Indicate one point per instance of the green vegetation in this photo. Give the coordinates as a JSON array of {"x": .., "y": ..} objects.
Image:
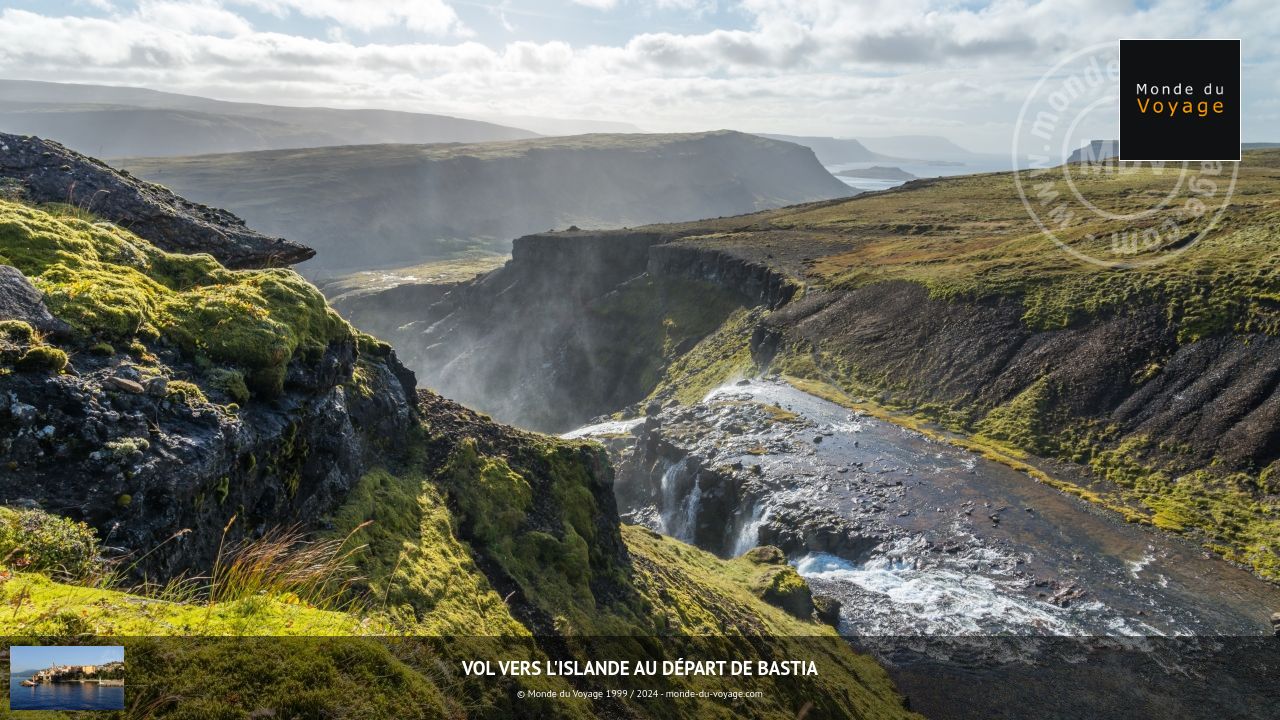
[
  {"x": 39, "y": 542},
  {"x": 17, "y": 332},
  {"x": 42, "y": 358},
  {"x": 112, "y": 286},
  {"x": 719, "y": 357},
  {"x": 649, "y": 324}
]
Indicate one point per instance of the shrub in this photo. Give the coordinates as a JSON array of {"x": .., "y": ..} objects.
[
  {"x": 42, "y": 358},
  {"x": 38, "y": 541}
]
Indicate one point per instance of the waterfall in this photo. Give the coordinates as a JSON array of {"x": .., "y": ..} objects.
[
  {"x": 749, "y": 534},
  {"x": 688, "y": 528},
  {"x": 670, "y": 493}
]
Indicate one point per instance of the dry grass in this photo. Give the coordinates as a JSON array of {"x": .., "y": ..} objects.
[{"x": 284, "y": 563}]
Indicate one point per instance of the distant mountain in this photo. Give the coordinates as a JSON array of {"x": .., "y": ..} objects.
[
  {"x": 832, "y": 151},
  {"x": 380, "y": 206},
  {"x": 1096, "y": 151},
  {"x": 108, "y": 121},
  {"x": 920, "y": 147}
]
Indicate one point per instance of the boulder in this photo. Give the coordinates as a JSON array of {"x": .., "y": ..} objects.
[{"x": 20, "y": 300}]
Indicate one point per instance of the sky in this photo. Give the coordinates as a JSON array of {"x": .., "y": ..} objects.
[
  {"x": 32, "y": 657},
  {"x": 843, "y": 68}
]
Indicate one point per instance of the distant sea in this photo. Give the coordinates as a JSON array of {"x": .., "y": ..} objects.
[
  {"x": 64, "y": 696},
  {"x": 969, "y": 166}
]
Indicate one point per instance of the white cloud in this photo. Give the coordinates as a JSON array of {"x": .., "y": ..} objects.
[
  {"x": 597, "y": 4},
  {"x": 426, "y": 16},
  {"x": 800, "y": 66},
  {"x": 192, "y": 16}
]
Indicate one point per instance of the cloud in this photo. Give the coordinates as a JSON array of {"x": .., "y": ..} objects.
[
  {"x": 597, "y": 4},
  {"x": 801, "y": 66},
  {"x": 192, "y": 16},
  {"x": 426, "y": 16}
]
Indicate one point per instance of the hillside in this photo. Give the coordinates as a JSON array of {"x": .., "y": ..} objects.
[
  {"x": 108, "y": 121},
  {"x": 831, "y": 151},
  {"x": 365, "y": 207},
  {"x": 198, "y": 451},
  {"x": 1150, "y": 391}
]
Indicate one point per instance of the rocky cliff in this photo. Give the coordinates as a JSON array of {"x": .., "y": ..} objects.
[
  {"x": 189, "y": 449},
  {"x": 148, "y": 393},
  {"x": 1151, "y": 391}
]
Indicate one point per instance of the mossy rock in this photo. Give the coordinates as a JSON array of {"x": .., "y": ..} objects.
[
  {"x": 766, "y": 555},
  {"x": 230, "y": 382},
  {"x": 784, "y": 588},
  {"x": 42, "y": 358},
  {"x": 112, "y": 286}
]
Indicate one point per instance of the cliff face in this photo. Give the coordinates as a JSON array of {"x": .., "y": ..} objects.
[
  {"x": 576, "y": 324},
  {"x": 148, "y": 393},
  {"x": 1151, "y": 391},
  {"x": 388, "y": 205}
]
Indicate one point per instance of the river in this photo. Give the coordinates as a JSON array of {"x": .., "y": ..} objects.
[{"x": 925, "y": 542}]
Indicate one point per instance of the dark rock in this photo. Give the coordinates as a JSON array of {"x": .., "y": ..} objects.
[
  {"x": 20, "y": 300},
  {"x": 827, "y": 609},
  {"x": 157, "y": 386},
  {"x": 150, "y": 211}
]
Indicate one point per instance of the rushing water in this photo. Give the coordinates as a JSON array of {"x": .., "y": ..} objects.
[
  {"x": 974, "y": 548},
  {"x": 64, "y": 696}
]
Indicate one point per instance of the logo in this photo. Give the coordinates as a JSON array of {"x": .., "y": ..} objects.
[{"x": 1096, "y": 207}]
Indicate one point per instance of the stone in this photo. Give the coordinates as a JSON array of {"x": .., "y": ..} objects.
[
  {"x": 20, "y": 300},
  {"x": 157, "y": 386},
  {"x": 124, "y": 384},
  {"x": 827, "y": 609}
]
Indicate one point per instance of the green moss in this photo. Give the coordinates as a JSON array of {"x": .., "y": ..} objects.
[
  {"x": 37, "y": 541},
  {"x": 719, "y": 357},
  {"x": 18, "y": 331},
  {"x": 185, "y": 392},
  {"x": 102, "y": 349},
  {"x": 111, "y": 285},
  {"x": 42, "y": 358},
  {"x": 230, "y": 382},
  {"x": 1023, "y": 420},
  {"x": 128, "y": 447},
  {"x": 370, "y": 345},
  {"x": 109, "y": 612},
  {"x": 783, "y": 587}
]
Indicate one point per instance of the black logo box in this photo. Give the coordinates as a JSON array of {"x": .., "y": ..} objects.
[{"x": 1180, "y": 65}]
